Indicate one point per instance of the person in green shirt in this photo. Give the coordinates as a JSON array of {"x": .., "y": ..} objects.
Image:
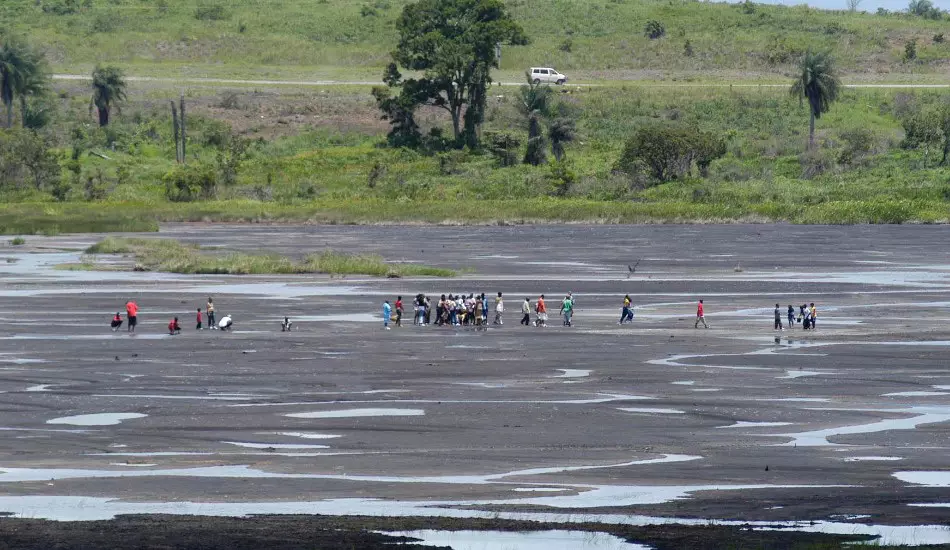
[{"x": 567, "y": 309}]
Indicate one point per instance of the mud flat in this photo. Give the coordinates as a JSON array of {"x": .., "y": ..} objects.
[{"x": 654, "y": 432}]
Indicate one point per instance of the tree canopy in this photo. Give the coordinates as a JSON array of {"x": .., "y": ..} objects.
[{"x": 452, "y": 43}]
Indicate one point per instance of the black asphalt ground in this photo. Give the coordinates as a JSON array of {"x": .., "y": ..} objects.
[{"x": 655, "y": 418}]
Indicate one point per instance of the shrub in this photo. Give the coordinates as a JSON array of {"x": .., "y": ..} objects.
[
  {"x": 562, "y": 178},
  {"x": 504, "y": 147},
  {"x": 64, "y": 7},
  {"x": 229, "y": 100},
  {"x": 27, "y": 158},
  {"x": 858, "y": 142},
  {"x": 938, "y": 38},
  {"x": 667, "y": 152},
  {"x": 190, "y": 183},
  {"x": 654, "y": 29},
  {"x": 567, "y": 46},
  {"x": 368, "y": 11},
  {"x": 18, "y": 241},
  {"x": 748, "y": 7},
  {"x": 211, "y": 12},
  {"x": 815, "y": 163},
  {"x": 688, "y": 49},
  {"x": 910, "y": 50}
]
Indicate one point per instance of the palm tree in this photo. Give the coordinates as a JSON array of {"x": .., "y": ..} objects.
[
  {"x": 33, "y": 85},
  {"x": 818, "y": 83},
  {"x": 561, "y": 131},
  {"x": 535, "y": 98},
  {"x": 21, "y": 73},
  {"x": 108, "y": 88}
]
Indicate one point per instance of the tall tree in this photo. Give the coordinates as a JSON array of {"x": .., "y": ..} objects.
[
  {"x": 817, "y": 82},
  {"x": 452, "y": 44},
  {"x": 21, "y": 73},
  {"x": 108, "y": 89}
]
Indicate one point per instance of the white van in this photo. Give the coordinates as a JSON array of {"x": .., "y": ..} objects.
[{"x": 546, "y": 74}]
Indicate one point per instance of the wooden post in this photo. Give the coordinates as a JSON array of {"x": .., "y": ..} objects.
[
  {"x": 176, "y": 130},
  {"x": 184, "y": 136}
]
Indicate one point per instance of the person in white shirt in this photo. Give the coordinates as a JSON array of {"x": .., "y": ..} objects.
[{"x": 226, "y": 323}]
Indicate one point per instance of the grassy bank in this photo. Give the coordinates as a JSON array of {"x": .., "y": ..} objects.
[
  {"x": 319, "y": 156},
  {"x": 175, "y": 257},
  {"x": 252, "y": 38}
]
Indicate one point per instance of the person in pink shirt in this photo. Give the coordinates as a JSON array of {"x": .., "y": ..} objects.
[{"x": 700, "y": 315}]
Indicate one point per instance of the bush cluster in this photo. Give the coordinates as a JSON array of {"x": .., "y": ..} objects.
[{"x": 666, "y": 153}]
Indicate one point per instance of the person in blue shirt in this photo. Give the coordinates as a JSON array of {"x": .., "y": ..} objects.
[{"x": 387, "y": 314}]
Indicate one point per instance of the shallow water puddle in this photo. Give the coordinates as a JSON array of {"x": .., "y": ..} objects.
[
  {"x": 39, "y": 388},
  {"x": 940, "y": 478},
  {"x": 745, "y": 424},
  {"x": 98, "y": 419},
  {"x": 198, "y": 397},
  {"x": 871, "y": 458},
  {"x": 339, "y": 318},
  {"x": 573, "y": 373},
  {"x": 525, "y": 540},
  {"x": 357, "y": 413},
  {"x": 916, "y": 394},
  {"x": 84, "y": 508},
  {"x": 274, "y": 445},
  {"x": 646, "y": 410},
  {"x": 793, "y": 374},
  {"x": 818, "y": 438},
  {"x": 303, "y": 435}
]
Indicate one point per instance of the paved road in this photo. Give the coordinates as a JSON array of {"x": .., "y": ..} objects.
[{"x": 307, "y": 83}]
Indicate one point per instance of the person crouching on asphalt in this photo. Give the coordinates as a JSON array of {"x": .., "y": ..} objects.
[
  {"x": 116, "y": 322},
  {"x": 526, "y": 312},
  {"x": 226, "y": 323},
  {"x": 173, "y": 327},
  {"x": 286, "y": 325}
]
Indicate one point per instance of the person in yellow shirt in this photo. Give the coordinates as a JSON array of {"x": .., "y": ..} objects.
[
  {"x": 626, "y": 314},
  {"x": 814, "y": 315}
]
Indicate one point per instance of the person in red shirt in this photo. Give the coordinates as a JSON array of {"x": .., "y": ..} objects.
[
  {"x": 174, "y": 327},
  {"x": 542, "y": 311},
  {"x": 398, "y": 311},
  {"x": 199, "y": 320},
  {"x": 132, "y": 311},
  {"x": 700, "y": 316},
  {"x": 116, "y": 322}
]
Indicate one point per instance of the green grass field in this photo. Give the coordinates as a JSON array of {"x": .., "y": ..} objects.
[
  {"x": 175, "y": 257},
  {"x": 317, "y": 154},
  {"x": 346, "y": 39}
]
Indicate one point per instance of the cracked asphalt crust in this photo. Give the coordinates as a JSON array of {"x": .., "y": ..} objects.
[{"x": 493, "y": 401}]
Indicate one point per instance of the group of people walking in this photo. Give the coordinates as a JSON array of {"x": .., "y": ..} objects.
[
  {"x": 471, "y": 310},
  {"x": 807, "y": 316}
]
